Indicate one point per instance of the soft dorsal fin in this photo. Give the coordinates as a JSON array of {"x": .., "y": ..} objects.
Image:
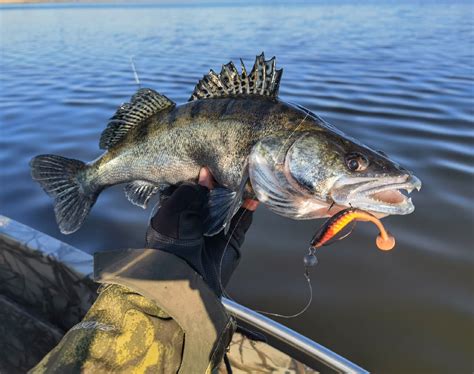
[
  {"x": 145, "y": 103},
  {"x": 263, "y": 80}
]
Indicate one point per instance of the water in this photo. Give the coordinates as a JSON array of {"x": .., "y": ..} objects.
[{"x": 397, "y": 75}]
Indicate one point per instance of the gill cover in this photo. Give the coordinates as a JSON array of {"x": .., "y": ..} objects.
[{"x": 273, "y": 184}]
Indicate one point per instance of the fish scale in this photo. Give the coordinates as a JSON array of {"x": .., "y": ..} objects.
[{"x": 255, "y": 145}]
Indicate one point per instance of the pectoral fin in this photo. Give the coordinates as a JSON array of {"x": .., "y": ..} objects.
[
  {"x": 221, "y": 200},
  {"x": 223, "y": 204}
]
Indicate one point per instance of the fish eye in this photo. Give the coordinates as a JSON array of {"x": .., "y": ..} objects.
[{"x": 356, "y": 162}]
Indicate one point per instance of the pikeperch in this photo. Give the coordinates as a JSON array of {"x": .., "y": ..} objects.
[{"x": 254, "y": 144}]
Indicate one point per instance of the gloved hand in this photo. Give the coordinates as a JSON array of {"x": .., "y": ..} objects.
[{"x": 178, "y": 228}]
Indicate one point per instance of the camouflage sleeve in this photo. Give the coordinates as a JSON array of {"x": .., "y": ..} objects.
[{"x": 123, "y": 332}]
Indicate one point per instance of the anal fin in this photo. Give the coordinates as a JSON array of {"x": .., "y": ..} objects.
[{"x": 139, "y": 192}]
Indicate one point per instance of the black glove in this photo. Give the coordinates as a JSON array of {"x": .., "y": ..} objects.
[{"x": 178, "y": 228}]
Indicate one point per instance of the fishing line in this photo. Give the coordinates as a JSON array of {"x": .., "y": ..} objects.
[
  {"x": 135, "y": 74},
  {"x": 219, "y": 275},
  {"x": 289, "y": 136},
  {"x": 335, "y": 238},
  {"x": 310, "y": 260},
  {"x": 345, "y": 235},
  {"x": 304, "y": 309}
]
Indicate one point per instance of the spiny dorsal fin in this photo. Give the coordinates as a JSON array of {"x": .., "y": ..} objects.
[
  {"x": 145, "y": 103},
  {"x": 263, "y": 80}
]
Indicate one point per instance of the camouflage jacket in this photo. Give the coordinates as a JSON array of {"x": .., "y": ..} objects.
[{"x": 154, "y": 314}]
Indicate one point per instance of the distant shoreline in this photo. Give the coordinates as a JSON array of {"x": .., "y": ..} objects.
[
  {"x": 2, "y": 2},
  {"x": 6, "y": 2}
]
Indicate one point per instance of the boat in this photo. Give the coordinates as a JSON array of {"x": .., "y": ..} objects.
[{"x": 46, "y": 288}]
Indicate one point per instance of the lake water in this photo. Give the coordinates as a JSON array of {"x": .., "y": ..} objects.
[{"x": 396, "y": 75}]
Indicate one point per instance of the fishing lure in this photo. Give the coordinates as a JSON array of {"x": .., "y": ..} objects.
[{"x": 340, "y": 220}]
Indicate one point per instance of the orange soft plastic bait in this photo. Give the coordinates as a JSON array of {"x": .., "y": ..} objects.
[{"x": 336, "y": 223}]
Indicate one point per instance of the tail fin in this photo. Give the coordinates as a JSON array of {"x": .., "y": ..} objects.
[{"x": 60, "y": 178}]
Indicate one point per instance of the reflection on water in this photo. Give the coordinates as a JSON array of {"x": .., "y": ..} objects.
[{"x": 397, "y": 76}]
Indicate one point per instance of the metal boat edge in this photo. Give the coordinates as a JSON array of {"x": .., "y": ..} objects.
[{"x": 77, "y": 269}]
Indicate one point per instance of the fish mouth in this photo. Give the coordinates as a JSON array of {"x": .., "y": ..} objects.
[{"x": 379, "y": 195}]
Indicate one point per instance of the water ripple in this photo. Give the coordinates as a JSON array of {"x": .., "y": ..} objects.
[{"x": 396, "y": 75}]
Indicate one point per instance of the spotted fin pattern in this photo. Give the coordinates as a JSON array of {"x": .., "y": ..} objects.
[
  {"x": 145, "y": 103},
  {"x": 61, "y": 178},
  {"x": 139, "y": 192},
  {"x": 263, "y": 80}
]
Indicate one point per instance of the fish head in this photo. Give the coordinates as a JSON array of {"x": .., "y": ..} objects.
[
  {"x": 321, "y": 172},
  {"x": 337, "y": 169}
]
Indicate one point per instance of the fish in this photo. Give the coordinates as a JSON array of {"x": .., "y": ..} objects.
[{"x": 254, "y": 144}]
